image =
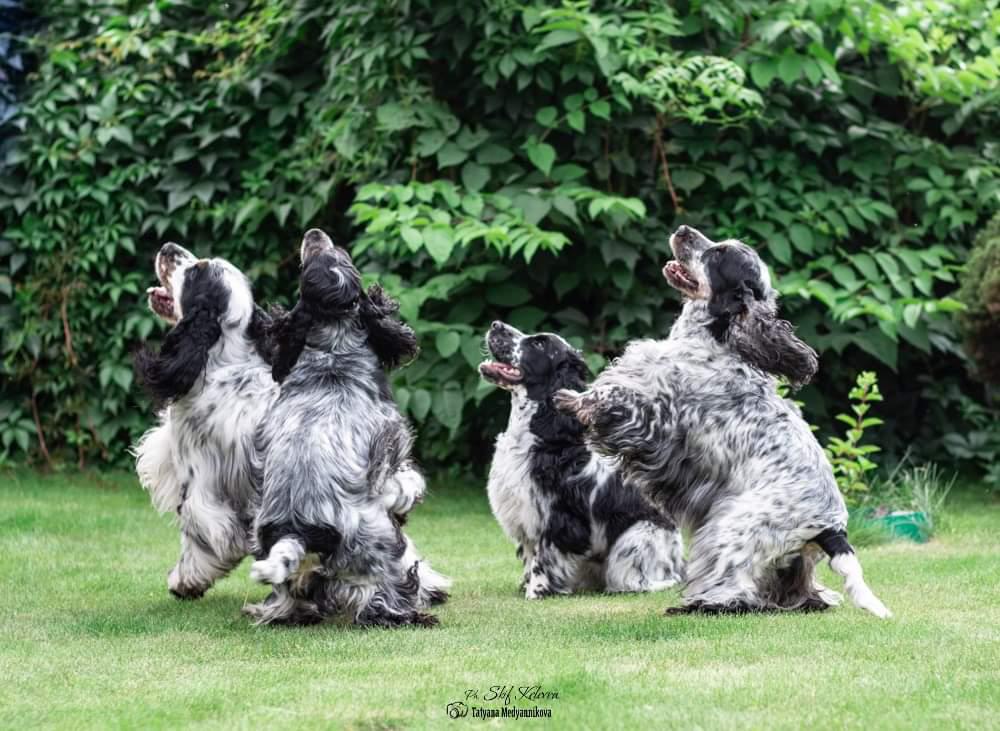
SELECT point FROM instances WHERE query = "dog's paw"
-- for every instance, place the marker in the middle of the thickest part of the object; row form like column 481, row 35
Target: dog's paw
column 269, row 572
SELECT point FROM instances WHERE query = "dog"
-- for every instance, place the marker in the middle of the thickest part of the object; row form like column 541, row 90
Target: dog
column 214, row 384
column 328, row 453
column 698, row 425
column 576, row 523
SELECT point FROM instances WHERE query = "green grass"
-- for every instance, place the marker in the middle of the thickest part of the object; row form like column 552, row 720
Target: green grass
column 89, row 636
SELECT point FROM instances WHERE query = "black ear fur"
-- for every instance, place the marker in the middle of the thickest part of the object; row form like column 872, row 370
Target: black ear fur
column 731, row 301
column 286, row 338
column 767, row 342
column 173, row 371
column 393, row 342
column 259, row 333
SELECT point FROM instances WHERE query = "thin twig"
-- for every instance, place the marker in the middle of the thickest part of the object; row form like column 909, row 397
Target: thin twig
column 42, row 446
column 67, row 334
column 661, row 151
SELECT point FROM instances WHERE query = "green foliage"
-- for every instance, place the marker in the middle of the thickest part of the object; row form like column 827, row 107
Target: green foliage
column 491, row 160
column 848, row 455
column 980, row 293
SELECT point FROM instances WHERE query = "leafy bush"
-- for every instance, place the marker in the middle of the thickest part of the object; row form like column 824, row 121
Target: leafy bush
column 980, row 293
column 495, row 159
column 849, row 457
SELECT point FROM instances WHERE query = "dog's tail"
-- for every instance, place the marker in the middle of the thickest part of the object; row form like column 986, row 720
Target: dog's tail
column 844, row 562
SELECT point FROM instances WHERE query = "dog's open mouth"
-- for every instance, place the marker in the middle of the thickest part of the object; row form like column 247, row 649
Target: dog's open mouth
column 161, row 302
column 679, row 277
column 501, row 374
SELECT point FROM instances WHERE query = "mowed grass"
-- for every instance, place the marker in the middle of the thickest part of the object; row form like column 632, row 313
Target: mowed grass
column 90, row 638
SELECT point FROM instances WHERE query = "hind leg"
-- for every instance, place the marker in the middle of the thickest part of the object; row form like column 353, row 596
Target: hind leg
column 553, row 571
column 213, row 541
column 284, row 605
column 646, row 557
column 375, row 585
column 720, row 572
column 433, row 585
column 282, row 561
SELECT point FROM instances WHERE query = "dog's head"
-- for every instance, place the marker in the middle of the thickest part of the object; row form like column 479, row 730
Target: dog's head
column 736, row 286
column 539, row 364
column 331, row 293
column 205, row 300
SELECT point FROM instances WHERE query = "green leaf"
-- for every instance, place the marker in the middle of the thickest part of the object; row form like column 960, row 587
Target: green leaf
column 439, row 242
column 414, row 240
column 687, row 179
column 542, row 155
column 533, row 207
column 245, row 211
column 429, row 142
column 763, row 72
column 789, row 67
column 447, row 342
column 448, row 404
column 601, row 109
column 577, row 120
column 546, row 116
column 450, row 154
column 420, row 404
column 557, row 38
column 474, row 176
column 508, row 294
column 802, row 237
column 492, row 154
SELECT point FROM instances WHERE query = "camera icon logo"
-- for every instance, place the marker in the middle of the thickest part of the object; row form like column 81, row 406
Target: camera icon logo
column 457, row 709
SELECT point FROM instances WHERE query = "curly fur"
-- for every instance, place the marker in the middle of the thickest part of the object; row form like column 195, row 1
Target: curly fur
column 214, row 388
column 697, row 424
column 333, row 456
column 575, row 523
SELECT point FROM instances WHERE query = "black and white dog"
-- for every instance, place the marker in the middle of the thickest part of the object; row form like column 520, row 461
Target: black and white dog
column 212, row 377
column 329, row 452
column 575, row 524
column 215, row 387
column 697, row 423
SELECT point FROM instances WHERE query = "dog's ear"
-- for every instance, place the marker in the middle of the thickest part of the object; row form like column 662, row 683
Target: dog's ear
column 258, row 331
column 731, row 301
column 767, row 342
column 393, row 341
column 286, row 338
column 173, row 371
column 572, row 374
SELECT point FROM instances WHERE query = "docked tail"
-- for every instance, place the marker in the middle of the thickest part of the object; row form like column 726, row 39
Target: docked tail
column 844, row 562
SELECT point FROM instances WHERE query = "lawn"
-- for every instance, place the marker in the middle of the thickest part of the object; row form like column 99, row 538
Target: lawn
column 89, row 636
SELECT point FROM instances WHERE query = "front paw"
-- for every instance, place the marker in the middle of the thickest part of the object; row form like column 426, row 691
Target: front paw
column 269, row 572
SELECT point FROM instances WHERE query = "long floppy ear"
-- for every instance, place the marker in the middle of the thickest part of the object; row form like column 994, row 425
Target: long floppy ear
column 393, row 341
column 286, row 338
column 767, row 342
column 572, row 374
column 173, row 371
column 259, row 331
column 731, row 301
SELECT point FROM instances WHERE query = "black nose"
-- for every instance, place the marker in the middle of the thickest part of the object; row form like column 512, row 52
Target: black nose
column 497, row 325
column 170, row 249
column 683, row 232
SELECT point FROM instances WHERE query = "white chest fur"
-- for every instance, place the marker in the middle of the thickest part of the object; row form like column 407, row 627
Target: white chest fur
column 515, row 502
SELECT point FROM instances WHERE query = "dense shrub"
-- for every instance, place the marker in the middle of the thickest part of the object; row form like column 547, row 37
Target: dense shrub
column 980, row 293
column 498, row 159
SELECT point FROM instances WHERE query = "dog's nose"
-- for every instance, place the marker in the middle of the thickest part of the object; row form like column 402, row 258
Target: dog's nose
column 170, row 249
column 497, row 325
column 683, row 232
